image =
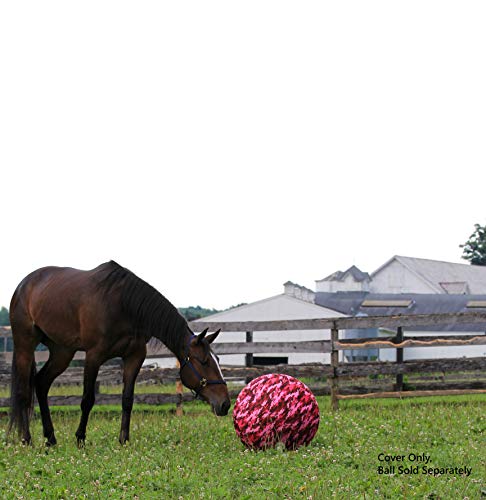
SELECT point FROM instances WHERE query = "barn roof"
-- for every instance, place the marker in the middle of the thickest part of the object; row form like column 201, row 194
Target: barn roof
column 356, row 273
column 354, row 303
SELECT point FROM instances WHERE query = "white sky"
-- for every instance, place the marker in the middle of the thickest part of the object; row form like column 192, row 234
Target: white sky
column 219, row 149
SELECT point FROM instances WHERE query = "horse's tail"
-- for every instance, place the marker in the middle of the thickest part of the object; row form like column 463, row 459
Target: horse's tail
column 21, row 398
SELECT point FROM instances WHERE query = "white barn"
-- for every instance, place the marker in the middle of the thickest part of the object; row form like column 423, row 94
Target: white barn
column 425, row 286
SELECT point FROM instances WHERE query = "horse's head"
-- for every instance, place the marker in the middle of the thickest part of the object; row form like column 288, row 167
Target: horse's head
column 201, row 373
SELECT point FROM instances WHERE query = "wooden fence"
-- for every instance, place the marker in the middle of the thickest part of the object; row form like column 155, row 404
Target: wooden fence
column 336, row 370
column 397, row 342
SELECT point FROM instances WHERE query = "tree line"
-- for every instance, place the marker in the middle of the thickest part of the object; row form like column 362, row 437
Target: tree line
column 4, row 321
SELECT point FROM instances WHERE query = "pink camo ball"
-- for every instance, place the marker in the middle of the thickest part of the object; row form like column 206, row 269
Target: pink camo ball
column 276, row 408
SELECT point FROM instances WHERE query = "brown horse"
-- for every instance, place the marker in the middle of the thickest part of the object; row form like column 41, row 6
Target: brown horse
column 106, row 312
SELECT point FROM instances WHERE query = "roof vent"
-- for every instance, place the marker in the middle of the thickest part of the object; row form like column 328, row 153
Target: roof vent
column 299, row 292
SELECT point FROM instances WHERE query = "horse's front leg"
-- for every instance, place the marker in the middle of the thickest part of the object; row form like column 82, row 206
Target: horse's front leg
column 131, row 367
column 91, row 367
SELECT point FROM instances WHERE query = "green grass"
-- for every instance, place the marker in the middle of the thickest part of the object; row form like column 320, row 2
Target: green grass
column 199, row 455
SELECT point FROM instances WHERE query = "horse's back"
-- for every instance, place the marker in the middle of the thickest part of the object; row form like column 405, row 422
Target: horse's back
column 48, row 283
column 58, row 300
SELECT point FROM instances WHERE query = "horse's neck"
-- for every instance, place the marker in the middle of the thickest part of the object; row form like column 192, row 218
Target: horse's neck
column 178, row 350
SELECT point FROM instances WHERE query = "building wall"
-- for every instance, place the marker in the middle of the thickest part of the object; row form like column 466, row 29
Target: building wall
column 396, row 278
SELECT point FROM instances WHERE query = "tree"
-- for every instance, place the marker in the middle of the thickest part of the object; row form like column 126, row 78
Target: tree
column 237, row 305
column 4, row 319
column 192, row 313
column 475, row 247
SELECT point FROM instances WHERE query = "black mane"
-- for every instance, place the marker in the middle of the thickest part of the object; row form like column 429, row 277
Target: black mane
column 149, row 310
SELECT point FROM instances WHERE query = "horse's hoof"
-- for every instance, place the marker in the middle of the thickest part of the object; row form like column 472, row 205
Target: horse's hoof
column 80, row 442
column 51, row 441
column 123, row 438
column 26, row 441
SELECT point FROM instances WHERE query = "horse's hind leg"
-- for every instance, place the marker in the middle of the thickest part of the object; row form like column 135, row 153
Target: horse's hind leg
column 22, row 383
column 59, row 359
column 22, row 393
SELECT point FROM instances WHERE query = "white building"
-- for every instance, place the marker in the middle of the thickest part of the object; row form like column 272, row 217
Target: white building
column 403, row 285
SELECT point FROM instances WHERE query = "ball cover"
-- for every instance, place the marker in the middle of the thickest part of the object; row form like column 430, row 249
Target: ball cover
column 276, row 408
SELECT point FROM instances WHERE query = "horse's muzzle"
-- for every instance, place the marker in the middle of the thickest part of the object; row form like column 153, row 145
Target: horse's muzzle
column 222, row 409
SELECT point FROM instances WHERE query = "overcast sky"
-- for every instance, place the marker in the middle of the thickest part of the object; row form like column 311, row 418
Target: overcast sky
column 219, row 149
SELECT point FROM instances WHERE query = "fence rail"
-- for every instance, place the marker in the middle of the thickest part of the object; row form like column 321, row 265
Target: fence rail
column 336, row 370
column 346, row 323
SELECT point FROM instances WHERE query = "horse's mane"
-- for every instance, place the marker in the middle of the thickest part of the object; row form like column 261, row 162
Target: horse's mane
column 149, row 310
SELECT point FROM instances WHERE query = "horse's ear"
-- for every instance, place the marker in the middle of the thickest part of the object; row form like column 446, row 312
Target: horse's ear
column 211, row 338
column 201, row 336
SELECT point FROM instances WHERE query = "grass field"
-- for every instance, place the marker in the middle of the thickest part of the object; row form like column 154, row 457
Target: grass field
column 199, row 455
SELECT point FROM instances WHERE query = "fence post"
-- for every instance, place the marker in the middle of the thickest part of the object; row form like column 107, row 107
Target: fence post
column 334, row 364
column 249, row 355
column 179, row 390
column 399, row 360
